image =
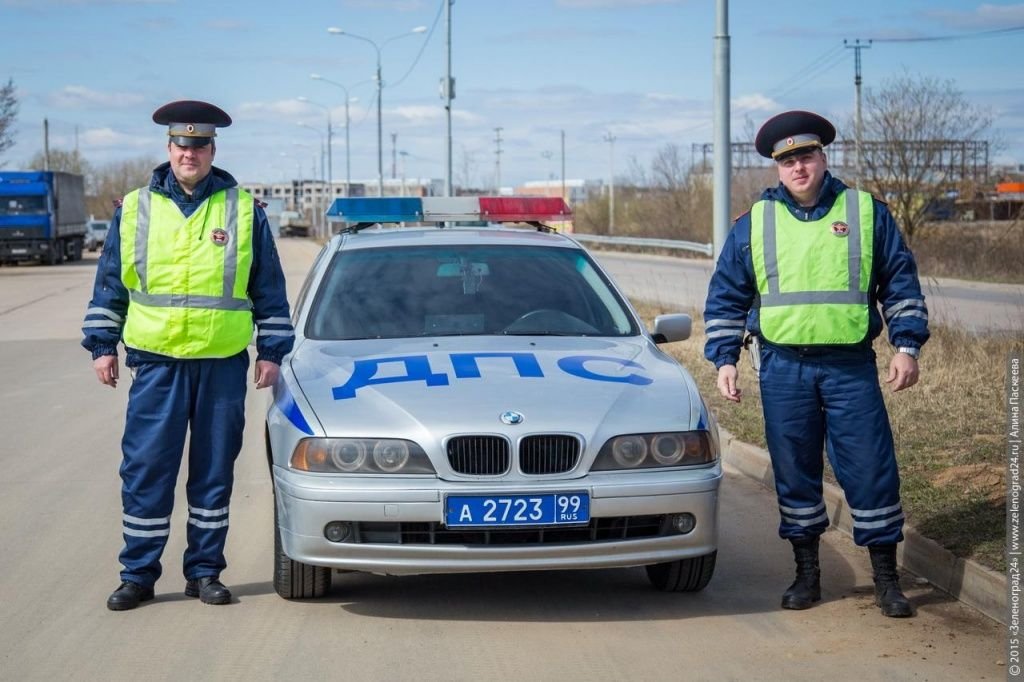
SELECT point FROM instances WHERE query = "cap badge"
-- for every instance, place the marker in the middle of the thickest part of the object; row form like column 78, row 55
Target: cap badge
column 840, row 229
column 219, row 236
column 190, row 128
column 789, row 141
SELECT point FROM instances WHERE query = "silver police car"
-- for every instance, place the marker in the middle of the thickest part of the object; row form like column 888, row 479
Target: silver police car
column 482, row 399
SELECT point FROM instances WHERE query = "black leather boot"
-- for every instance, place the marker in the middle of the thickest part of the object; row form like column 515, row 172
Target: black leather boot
column 128, row 595
column 209, row 589
column 887, row 582
column 806, row 589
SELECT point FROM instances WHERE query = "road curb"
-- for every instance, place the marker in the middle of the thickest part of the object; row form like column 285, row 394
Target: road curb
column 963, row 579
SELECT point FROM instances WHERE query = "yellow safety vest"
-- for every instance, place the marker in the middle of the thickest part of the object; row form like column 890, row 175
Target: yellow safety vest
column 187, row 277
column 812, row 277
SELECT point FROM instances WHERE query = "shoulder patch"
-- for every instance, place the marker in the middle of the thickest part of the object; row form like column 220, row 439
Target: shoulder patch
column 261, row 204
column 117, row 203
column 741, row 215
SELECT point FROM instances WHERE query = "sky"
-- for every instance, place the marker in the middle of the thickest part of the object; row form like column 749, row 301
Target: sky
column 640, row 71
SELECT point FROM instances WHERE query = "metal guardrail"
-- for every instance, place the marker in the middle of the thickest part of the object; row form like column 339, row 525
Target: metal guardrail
column 706, row 249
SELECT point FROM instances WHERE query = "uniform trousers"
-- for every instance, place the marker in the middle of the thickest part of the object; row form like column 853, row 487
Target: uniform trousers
column 815, row 401
column 204, row 399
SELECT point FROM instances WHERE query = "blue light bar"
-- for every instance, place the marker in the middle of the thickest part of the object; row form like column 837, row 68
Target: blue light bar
column 376, row 210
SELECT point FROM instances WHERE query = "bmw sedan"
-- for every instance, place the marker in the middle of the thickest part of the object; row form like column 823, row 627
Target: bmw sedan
column 464, row 399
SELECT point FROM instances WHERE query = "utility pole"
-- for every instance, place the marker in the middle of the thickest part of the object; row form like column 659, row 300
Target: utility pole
column 497, row 160
column 46, row 144
column 563, row 164
column 394, row 156
column 857, row 46
column 610, row 139
column 722, row 173
column 448, row 92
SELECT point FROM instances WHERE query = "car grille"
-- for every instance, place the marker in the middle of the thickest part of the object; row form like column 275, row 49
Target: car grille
column 489, row 455
column 554, row 454
column 606, row 529
column 478, row 455
column 599, row 529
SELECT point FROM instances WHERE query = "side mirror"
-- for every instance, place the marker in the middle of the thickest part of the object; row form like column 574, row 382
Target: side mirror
column 670, row 328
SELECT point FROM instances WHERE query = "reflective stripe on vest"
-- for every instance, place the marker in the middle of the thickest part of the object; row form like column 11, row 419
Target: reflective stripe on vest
column 187, row 277
column 812, row 277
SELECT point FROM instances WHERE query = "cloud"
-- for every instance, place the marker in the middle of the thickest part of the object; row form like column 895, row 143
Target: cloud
column 80, row 97
column 274, row 111
column 603, row 4
column 755, row 102
column 37, row 4
column 423, row 114
column 390, row 5
column 982, row 17
column 100, row 138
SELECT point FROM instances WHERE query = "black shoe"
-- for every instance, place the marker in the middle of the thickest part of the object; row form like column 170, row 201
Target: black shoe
column 806, row 589
column 209, row 589
column 128, row 596
column 888, row 594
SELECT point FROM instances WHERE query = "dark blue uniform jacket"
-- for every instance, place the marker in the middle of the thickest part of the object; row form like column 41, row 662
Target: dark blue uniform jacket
column 266, row 279
column 894, row 285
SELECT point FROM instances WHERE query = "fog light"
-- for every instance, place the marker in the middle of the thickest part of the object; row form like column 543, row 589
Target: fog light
column 682, row 523
column 337, row 531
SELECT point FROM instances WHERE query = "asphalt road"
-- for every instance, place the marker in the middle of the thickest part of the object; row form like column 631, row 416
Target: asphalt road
column 682, row 283
column 59, row 498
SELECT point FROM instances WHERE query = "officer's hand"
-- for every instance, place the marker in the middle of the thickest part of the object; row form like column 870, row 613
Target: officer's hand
column 727, row 380
column 107, row 369
column 903, row 372
column 266, row 373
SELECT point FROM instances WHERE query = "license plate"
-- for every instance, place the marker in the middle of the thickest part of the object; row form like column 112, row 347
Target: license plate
column 517, row 510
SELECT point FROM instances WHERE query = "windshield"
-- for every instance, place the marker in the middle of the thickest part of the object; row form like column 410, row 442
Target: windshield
column 27, row 205
column 398, row 292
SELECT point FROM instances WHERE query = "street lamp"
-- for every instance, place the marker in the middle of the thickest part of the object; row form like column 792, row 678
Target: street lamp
column 380, row 86
column 323, row 150
column 610, row 139
column 330, row 164
column 348, row 155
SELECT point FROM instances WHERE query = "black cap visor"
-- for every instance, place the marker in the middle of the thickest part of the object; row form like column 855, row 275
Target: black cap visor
column 183, row 141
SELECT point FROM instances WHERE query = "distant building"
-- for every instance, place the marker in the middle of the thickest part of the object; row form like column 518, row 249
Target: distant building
column 315, row 196
column 576, row 190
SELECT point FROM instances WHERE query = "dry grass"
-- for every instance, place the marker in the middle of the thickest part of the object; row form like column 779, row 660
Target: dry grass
column 949, row 432
column 983, row 251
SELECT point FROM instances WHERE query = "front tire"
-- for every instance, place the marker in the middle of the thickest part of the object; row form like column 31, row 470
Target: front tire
column 683, row 575
column 294, row 579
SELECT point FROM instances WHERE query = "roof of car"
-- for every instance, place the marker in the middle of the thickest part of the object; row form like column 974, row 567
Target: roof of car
column 432, row 236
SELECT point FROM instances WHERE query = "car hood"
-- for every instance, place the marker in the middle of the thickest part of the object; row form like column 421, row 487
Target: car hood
column 428, row 389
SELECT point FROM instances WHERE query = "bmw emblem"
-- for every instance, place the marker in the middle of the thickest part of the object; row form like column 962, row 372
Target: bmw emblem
column 512, row 418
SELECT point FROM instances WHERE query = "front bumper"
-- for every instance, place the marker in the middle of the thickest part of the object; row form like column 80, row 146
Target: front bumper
column 307, row 503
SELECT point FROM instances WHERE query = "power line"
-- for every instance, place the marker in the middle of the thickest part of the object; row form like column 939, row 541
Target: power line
column 422, row 47
column 956, row 36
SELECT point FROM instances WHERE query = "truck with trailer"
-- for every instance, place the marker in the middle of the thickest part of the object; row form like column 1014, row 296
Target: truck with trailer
column 42, row 216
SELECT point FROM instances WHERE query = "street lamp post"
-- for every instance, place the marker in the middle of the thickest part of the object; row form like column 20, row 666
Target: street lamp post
column 323, row 149
column 348, row 155
column 610, row 139
column 380, row 86
column 330, row 164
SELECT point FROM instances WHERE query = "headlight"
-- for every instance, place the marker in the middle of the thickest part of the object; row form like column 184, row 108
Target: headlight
column 652, row 450
column 360, row 456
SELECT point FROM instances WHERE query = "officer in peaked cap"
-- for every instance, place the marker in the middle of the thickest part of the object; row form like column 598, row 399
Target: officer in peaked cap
column 188, row 269
column 191, row 123
column 807, row 277
column 791, row 131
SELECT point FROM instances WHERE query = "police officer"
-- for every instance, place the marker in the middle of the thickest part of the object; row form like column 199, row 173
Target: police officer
column 806, row 271
column 188, row 266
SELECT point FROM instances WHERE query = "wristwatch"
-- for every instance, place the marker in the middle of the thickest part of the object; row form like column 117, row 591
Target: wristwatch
column 910, row 350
